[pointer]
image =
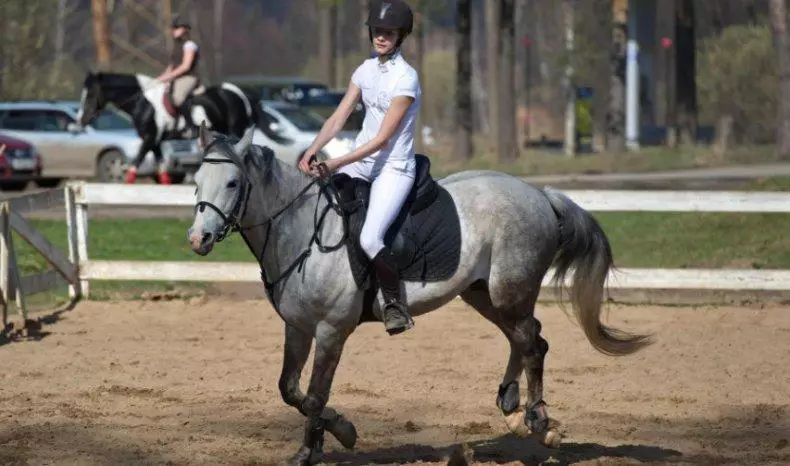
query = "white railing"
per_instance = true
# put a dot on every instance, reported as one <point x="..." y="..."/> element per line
<point x="89" y="194"/>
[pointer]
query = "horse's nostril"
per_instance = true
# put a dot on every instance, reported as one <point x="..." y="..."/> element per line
<point x="206" y="238"/>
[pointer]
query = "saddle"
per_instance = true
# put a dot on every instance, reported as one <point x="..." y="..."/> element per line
<point x="425" y="237"/>
<point x="170" y="106"/>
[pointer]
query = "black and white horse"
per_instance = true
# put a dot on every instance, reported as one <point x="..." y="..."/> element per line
<point x="225" y="108"/>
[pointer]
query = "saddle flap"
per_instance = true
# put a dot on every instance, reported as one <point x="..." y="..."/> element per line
<point x="167" y="103"/>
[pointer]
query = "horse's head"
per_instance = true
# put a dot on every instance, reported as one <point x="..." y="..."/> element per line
<point x="223" y="188"/>
<point x="92" y="99"/>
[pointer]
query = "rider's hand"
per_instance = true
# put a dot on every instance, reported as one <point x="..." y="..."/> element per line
<point x="323" y="169"/>
<point x="306" y="162"/>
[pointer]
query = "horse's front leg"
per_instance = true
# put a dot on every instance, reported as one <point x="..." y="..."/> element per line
<point x="148" y="144"/>
<point x="297" y="349"/>
<point x="329" y="347"/>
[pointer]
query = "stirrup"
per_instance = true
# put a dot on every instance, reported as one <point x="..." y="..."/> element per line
<point x="396" y="318"/>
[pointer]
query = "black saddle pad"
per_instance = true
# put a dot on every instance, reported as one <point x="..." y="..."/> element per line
<point x="425" y="237"/>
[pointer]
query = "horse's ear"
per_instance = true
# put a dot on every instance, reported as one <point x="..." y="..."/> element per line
<point x="203" y="135"/>
<point x="244" y="144"/>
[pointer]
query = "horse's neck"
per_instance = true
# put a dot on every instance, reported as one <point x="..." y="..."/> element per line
<point x="126" y="97"/>
<point x="290" y="233"/>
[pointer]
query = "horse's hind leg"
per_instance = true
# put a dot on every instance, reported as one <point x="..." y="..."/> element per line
<point x="296" y="351"/>
<point x="527" y="352"/>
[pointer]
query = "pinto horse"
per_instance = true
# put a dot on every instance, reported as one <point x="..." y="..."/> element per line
<point x="226" y="108"/>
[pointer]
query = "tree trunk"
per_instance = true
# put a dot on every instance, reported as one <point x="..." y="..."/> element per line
<point x="219" y="15"/>
<point x="101" y="33"/>
<point x="686" y="84"/>
<point x="167" y="18"/>
<point x="600" y="12"/>
<point x="480" y="123"/>
<point x="570" y="85"/>
<point x="60" y="42"/>
<point x="327" y="17"/>
<point x="665" y="71"/>
<point x="364" y="36"/>
<point x="782" y="44"/>
<point x="615" y="131"/>
<point x="419" y="59"/>
<point x="463" y="88"/>
<point x="492" y="25"/>
<point x="508" y="143"/>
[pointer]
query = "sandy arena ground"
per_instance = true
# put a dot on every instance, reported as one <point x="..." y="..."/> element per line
<point x="196" y="383"/>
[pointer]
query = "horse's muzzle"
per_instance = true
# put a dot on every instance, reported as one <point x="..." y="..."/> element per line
<point x="201" y="243"/>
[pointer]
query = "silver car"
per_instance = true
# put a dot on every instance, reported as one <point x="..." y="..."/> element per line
<point x="296" y="128"/>
<point x="101" y="150"/>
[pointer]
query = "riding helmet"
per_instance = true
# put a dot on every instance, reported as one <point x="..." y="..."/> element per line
<point x="178" y="22"/>
<point x="390" y="14"/>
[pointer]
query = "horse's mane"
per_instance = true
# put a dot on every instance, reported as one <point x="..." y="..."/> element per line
<point x="281" y="182"/>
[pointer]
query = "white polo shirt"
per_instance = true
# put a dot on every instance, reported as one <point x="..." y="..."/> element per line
<point x="380" y="83"/>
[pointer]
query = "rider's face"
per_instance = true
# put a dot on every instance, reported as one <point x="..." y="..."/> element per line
<point x="384" y="40"/>
<point x="178" y="32"/>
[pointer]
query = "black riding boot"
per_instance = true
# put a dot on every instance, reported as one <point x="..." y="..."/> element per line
<point x="396" y="315"/>
<point x="190" y="128"/>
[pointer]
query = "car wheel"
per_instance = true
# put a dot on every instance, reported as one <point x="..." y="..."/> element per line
<point x="111" y="166"/>
<point x="48" y="183"/>
<point x="13" y="185"/>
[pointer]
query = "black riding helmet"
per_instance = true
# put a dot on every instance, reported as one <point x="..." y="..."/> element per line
<point x="390" y="14"/>
<point x="178" y="22"/>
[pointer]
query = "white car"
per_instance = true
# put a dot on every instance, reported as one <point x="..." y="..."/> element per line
<point x="68" y="150"/>
<point x="296" y="128"/>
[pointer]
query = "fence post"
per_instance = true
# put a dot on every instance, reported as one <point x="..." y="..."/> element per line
<point x="4" y="269"/>
<point x="11" y="280"/>
<point x="75" y="289"/>
<point x="81" y="228"/>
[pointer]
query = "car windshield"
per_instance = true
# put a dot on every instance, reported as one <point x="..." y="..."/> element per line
<point x="302" y="119"/>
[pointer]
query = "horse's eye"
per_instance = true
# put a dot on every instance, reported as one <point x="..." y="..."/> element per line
<point x="233" y="184"/>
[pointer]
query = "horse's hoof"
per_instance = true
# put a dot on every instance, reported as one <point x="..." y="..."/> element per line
<point x="344" y="431"/>
<point x="538" y="418"/>
<point x="304" y="457"/>
<point x="551" y="438"/>
<point x="515" y="423"/>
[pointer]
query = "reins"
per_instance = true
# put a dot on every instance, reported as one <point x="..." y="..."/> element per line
<point x="232" y="222"/>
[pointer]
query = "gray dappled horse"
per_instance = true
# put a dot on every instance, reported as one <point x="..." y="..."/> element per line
<point x="299" y="230"/>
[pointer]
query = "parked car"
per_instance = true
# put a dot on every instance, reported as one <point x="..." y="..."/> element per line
<point x="297" y="127"/>
<point x="20" y="163"/>
<point x="285" y="88"/>
<point x="184" y="156"/>
<point x="69" y="150"/>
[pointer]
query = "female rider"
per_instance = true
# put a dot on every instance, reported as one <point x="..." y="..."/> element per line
<point x="182" y="78"/>
<point x="384" y="148"/>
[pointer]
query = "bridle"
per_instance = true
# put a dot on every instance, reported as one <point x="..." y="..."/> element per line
<point x="232" y="221"/>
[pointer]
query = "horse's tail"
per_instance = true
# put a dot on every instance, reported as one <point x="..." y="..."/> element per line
<point x="585" y="248"/>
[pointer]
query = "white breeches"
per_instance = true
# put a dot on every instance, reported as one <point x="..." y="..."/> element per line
<point x="388" y="191"/>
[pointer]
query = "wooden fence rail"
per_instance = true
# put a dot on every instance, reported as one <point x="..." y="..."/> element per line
<point x="77" y="269"/>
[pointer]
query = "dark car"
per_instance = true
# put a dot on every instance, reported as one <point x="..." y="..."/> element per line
<point x="20" y="162"/>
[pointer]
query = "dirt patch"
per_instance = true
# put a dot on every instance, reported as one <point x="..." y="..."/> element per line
<point x="181" y="383"/>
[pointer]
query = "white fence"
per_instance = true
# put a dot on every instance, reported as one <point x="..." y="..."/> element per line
<point x="88" y="194"/>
